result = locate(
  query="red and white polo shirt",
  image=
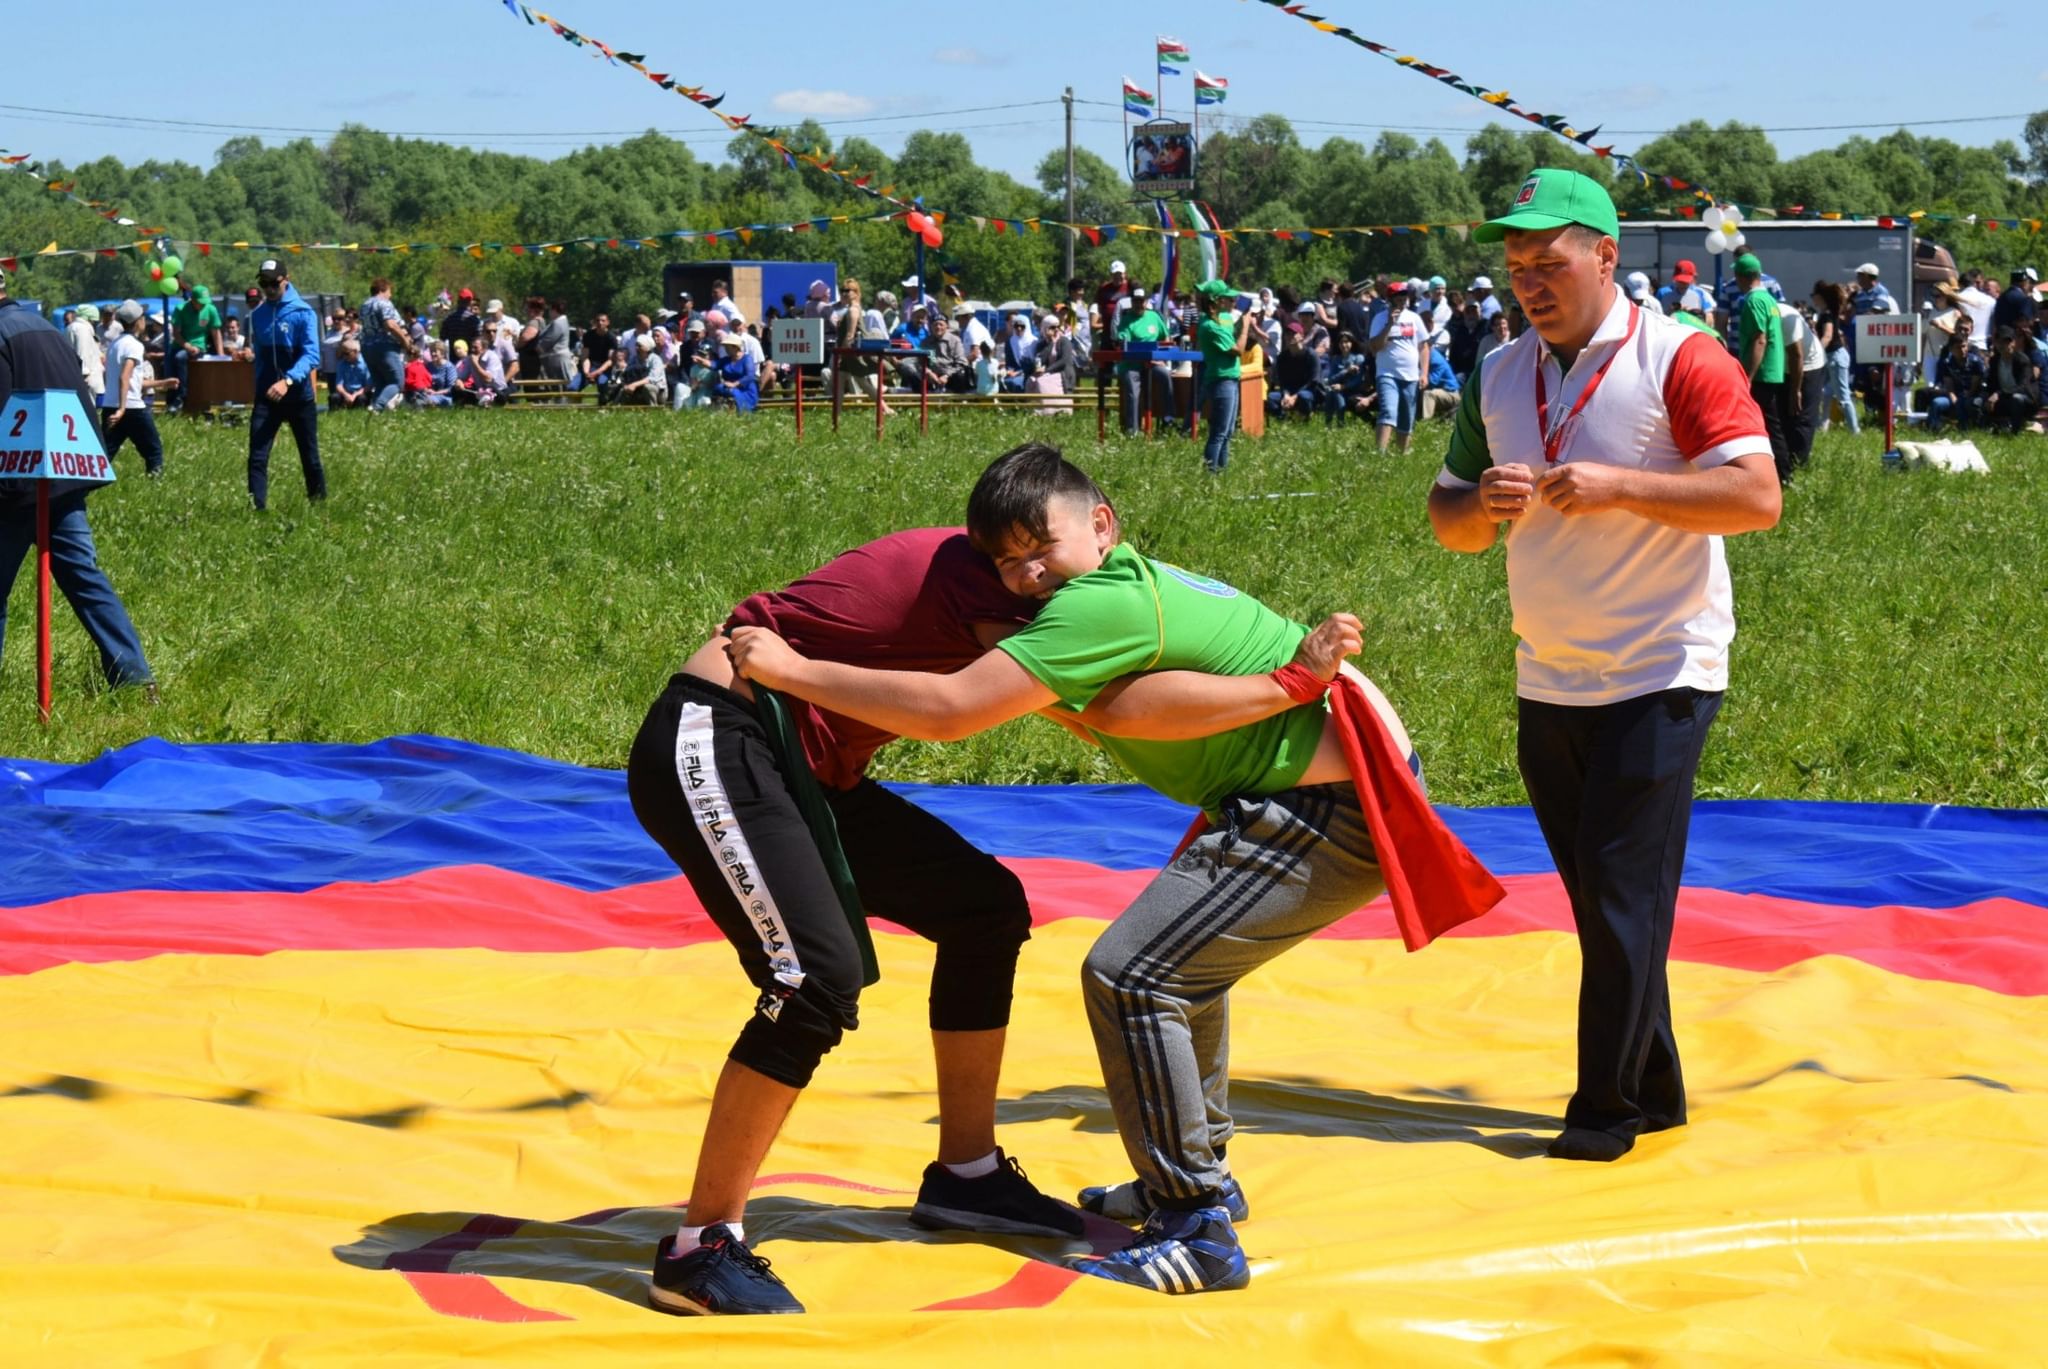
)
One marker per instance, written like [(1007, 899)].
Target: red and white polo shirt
[(1611, 605)]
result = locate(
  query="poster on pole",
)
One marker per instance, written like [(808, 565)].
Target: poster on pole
[(1162, 158)]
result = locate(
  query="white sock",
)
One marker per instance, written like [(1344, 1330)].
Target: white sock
[(975, 1169), (688, 1238)]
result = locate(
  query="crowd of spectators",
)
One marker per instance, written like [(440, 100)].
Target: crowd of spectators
[(1389, 351)]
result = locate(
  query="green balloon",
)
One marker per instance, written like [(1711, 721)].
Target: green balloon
[(172, 266), (169, 285)]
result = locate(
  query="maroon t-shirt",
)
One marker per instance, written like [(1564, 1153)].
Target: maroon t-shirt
[(908, 601)]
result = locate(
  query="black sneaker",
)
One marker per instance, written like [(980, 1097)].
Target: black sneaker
[(719, 1278), (1005, 1203)]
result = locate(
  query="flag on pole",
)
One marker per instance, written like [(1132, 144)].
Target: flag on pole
[(1173, 55), (1137, 99), (1210, 90)]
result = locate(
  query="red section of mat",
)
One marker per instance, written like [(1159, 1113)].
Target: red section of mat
[(474, 1297), (1997, 944)]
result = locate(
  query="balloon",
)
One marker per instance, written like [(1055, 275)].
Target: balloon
[(915, 222), (932, 236), (156, 271), (1717, 242), (173, 266), (169, 285), (1712, 218)]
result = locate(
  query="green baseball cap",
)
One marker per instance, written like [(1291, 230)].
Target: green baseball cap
[(1551, 198), (1748, 265), (1214, 287)]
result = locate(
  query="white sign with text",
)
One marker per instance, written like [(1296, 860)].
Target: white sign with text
[(798, 340), (1882, 338)]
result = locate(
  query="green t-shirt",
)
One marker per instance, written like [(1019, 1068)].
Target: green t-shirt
[(1217, 337), (1760, 317), (1140, 327), (195, 322), (1692, 320), (1136, 614)]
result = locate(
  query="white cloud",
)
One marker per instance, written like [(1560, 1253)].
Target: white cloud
[(822, 103), (968, 57)]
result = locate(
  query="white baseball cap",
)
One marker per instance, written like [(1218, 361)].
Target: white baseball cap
[(910, 282), (1638, 285), (1116, 268), (1480, 283), (1869, 268)]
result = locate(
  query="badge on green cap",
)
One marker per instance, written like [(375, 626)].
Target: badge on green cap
[(1551, 198)]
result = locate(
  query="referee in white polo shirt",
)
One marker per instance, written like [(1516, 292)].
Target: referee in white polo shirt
[(1618, 447)]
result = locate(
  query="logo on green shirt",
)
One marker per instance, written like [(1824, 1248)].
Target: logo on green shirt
[(1214, 588)]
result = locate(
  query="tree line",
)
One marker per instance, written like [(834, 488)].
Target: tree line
[(364, 186)]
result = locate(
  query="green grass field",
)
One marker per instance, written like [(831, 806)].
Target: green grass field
[(530, 579)]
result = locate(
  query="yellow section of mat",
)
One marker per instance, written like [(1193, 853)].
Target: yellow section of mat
[(208, 1160)]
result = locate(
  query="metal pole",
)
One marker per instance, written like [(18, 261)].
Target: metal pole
[(43, 600), (1069, 99), (799, 402), (1889, 443)]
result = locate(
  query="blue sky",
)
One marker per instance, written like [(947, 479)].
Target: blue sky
[(468, 72)]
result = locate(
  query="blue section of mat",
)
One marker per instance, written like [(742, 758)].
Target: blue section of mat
[(290, 816)]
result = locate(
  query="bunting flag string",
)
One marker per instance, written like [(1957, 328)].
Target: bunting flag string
[(1499, 99), (853, 178), (27, 163), (618, 241), (1095, 234)]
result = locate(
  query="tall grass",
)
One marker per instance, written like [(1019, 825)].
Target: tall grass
[(529, 579)]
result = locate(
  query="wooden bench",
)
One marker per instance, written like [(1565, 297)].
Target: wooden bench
[(552, 392)]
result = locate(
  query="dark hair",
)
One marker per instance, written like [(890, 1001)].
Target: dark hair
[(722, 285), (534, 302), (1582, 237), (1344, 290), (379, 286), (1015, 491), (1832, 296)]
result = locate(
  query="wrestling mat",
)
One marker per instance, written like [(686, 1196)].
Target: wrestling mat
[(320, 1054)]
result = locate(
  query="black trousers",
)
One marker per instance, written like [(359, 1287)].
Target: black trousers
[(706, 785), (265, 418), (1802, 399), (1612, 789), (1770, 397)]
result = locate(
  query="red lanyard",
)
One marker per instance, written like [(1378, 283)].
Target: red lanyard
[(1553, 442)]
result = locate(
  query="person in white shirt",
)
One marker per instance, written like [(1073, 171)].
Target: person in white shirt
[(1399, 343), (1978, 305), (973, 332), (92, 358), (1618, 448), (1639, 291), (723, 302), (124, 409), (1806, 371)]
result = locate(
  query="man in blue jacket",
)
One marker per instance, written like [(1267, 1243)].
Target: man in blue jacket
[(35, 356), (285, 333)]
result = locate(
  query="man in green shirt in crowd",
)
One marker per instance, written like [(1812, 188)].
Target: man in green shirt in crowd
[(1288, 851), (1221, 370), (1143, 324), (1760, 343), (195, 333)]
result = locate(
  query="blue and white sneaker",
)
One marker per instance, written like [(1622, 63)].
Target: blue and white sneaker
[(1131, 1201), (721, 1277), (1178, 1252)]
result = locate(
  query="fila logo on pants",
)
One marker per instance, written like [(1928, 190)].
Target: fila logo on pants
[(697, 769)]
